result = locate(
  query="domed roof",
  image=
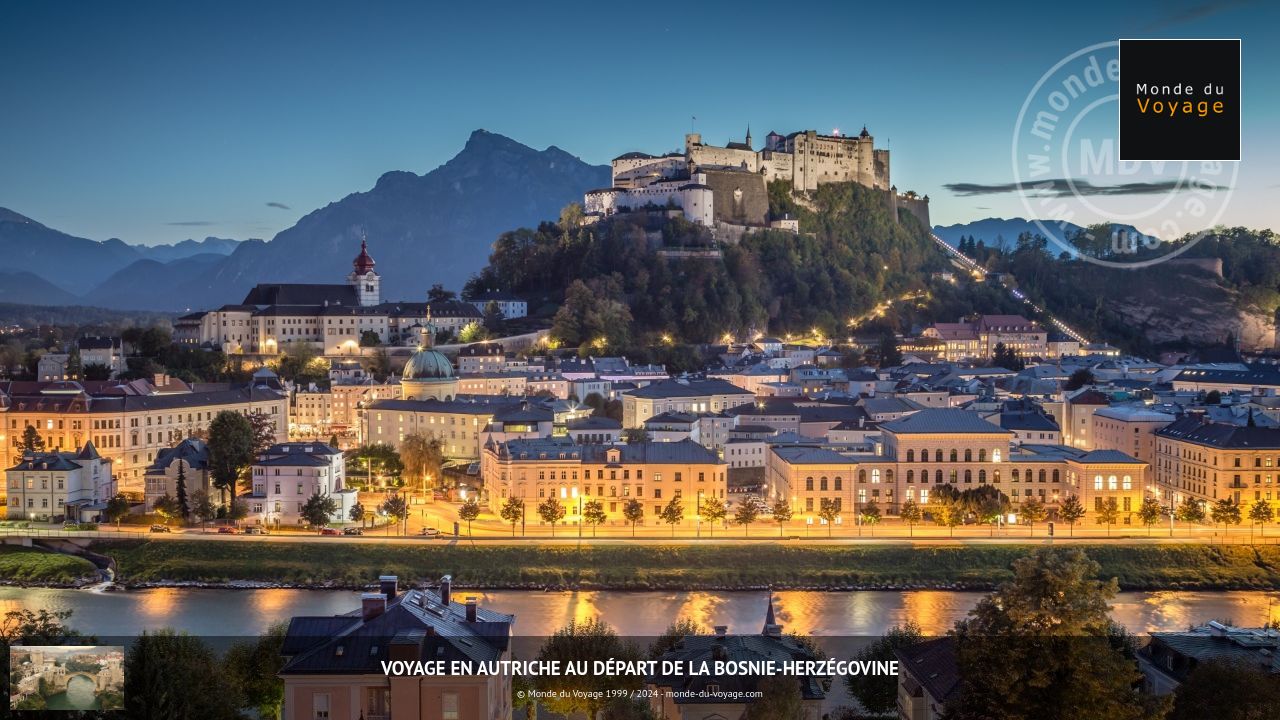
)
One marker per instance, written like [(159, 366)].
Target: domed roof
[(363, 262), (427, 364)]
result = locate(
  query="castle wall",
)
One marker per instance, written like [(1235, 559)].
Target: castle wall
[(741, 198), (639, 172)]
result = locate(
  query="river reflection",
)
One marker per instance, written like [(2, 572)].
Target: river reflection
[(856, 613)]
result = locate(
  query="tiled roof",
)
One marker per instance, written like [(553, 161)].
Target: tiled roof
[(301, 294), (1222, 435), (933, 665), (455, 407), (1109, 456), (693, 388), (942, 420)]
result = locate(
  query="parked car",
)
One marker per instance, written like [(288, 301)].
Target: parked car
[(352, 531), (257, 530), (429, 532), (329, 531), (70, 525), (160, 529), (226, 530)]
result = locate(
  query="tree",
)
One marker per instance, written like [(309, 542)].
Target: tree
[(1042, 645), (1190, 511), (593, 514), (380, 364), (264, 431), (878, 694), (633, 512), (437, 294), (513, 512), (117, 507), (871, 515), (1006, 357), (318, 510), (673, 513), (369, 338), (781, 512), (829, 510), (397, 508), (1150, 512), (231, 448), (166, 507), (551, 511), (251, 667), (890, 355), (585, 642), (1032, 512), (75, 366), (1108, 513), (184, 508), (714, 512), (1261, 513), (1213, 397), (171, 675), (1223, 690), (910, 513), (423, 457), (1227, 512), (635, 436), (494, 322), (237, 510), (38, 627), (356, 513), (747, 512), (1071, 512), (97, 372), (202, 506), (31, 441), (469, 511), (1079, 379)]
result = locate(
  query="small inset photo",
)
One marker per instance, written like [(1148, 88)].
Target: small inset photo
[(66, 677)]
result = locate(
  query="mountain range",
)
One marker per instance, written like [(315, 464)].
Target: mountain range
[(422, 229), (991, 231)]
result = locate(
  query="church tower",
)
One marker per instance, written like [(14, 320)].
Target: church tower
[(367, 283), (749, 145)]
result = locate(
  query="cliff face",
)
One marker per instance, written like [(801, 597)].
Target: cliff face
[(1186, 300)]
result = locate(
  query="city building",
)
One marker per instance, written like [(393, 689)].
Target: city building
[(459, 424), (482, 357), (45, 485), (651, 472), (920, 452), (316, 412), (191, 458), (333, 664), (1170, 657), (688, 396), (128, 423), (509, 305), (594, 429), (928, 678), (977, 338), (105, 352), (286, 475), (695, 696), (1129, 428), (1208, 461)]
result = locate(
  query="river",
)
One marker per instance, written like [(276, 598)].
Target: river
[(229, 613)]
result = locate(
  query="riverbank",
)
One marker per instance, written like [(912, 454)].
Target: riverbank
[(142, 563), (28, 566)]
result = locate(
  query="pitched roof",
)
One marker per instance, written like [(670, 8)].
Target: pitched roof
[(1192, 429), (301, 294), (933, 665), (942, 420), (664, 389)]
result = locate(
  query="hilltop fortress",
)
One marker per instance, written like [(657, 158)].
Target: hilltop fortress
[(725, 188)]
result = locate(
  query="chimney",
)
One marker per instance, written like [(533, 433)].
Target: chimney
[(446, 590), (372, 605), (471, 609), (389, 585)]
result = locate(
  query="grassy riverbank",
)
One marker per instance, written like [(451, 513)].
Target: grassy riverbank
[(645, 567), (40, 567)]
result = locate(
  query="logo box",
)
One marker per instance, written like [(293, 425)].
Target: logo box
[(1180, 100)]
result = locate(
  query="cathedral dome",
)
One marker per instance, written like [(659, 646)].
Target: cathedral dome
[(427, 364)]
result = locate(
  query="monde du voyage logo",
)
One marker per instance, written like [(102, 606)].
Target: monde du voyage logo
[(1180, 100)]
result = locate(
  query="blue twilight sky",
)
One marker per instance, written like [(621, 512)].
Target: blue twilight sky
[(155, 122)]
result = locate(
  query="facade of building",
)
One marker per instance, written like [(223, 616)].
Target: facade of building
[(286, 475), (650, 472), (460, 424), (977, 339), (103, 351), (45, 485), (509, 305), (333, 664), (686, 396), (320, 412), (129, 425), (1129, 429), (932, 447), (191, 458), (1209, 461)]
